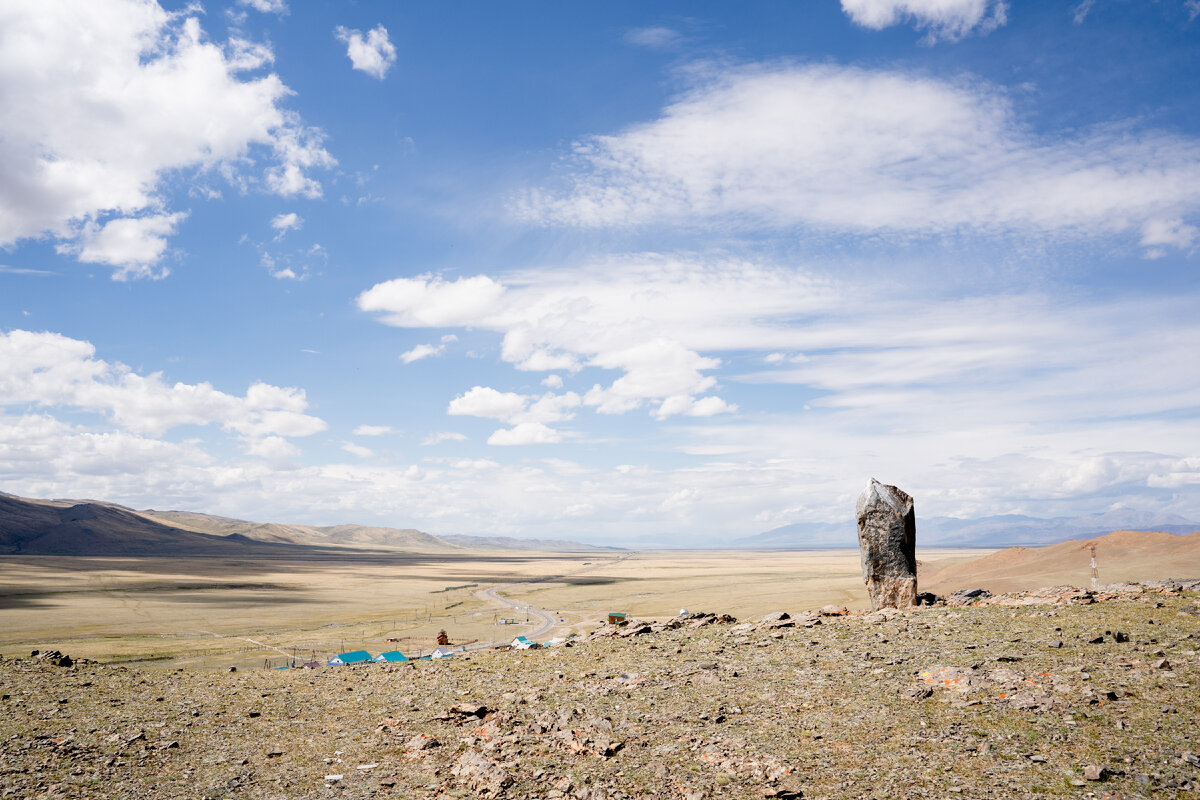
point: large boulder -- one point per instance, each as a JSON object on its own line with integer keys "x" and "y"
{"x": 887, "y": 542}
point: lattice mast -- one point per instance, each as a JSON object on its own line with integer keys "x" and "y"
{"x": 1095, "y": 574}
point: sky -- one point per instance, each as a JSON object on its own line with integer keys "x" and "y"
{"x": 628, "y": 273}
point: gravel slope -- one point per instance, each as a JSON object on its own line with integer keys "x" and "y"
{"x": 1000, "y": 700}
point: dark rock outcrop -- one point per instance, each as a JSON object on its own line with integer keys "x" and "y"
{"x": 887, "y": 542}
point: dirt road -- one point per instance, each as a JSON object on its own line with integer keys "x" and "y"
{"x": 545, "y": 617}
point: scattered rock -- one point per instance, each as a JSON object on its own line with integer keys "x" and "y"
{"x": 481, "y": 774}
{"x": 1094, "y": 773}
{"x": 422, "y": 741}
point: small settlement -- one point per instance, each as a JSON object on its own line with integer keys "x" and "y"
{"x": 360, "y": 657}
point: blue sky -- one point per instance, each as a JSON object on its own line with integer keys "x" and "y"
{"x": 622, "y": 272}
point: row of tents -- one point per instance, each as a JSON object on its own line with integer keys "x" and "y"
{"x": 395, "y": 656}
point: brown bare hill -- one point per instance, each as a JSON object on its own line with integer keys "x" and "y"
{"x": 30, "y": 527}
{"x": 356, "y": 536}
{"x": 1120, "y": 556}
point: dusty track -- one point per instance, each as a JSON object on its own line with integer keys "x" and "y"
{"x": 490, "y": 595}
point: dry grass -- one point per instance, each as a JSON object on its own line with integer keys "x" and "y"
{"x": 742, "y": 583}
{"x": 179, "y": 608}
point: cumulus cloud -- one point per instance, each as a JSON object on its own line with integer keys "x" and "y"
{"x": 49, "y": 370}
{"x": 132, "y": 245}
{"x": 373, "y": 54}
{"x": 426, "y": 302}
{"x": 85, "y": 154}
{"x": 530, "y": 413}
{"x": 427, "y": 350}
{"x": 525, "y": 433}
{"x": 944, "y": 19}
{"x": 647, "y": 317}
{"x": 484, "y": 401}
{"x": 282, "y": 223}
{"x": 847, "y": 150}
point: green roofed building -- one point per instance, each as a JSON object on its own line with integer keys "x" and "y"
{"x": 354, "y": 657}
{"x": 390, "y": 656}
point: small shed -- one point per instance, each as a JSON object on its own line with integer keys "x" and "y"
{"x": 391, "y": 656}
{"x": 312, "y": 665}
{"x": 442, "y": 652}
{"x": 521, "y": 643}
{"x": 616, "y": 617}
{"x": 353, "y": 657}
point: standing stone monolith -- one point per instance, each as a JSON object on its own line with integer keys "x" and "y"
{"x": 887, "y": 542}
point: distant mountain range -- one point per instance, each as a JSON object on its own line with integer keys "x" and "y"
{"x": 995, "y": 531}
{"x": 512, "y": 543}
{"x": 97, "y": 528}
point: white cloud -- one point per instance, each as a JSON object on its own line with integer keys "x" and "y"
{"x": 655, "y": 38}
{"x": 1158, "y": 234}
{"x": 132, "y": 245}
{"x": 691, "y": 407}
{"x": 528, "y": 412}
{"x": 282, "y": 223}
{"x": 425, "y": 302}
{"x": 50, "y": 370}
{"x": 357, "y": 450}
{"x": 525, "y": 433}
{"x": 944, "y": 19}
{"x": 272, "y": 448}
{"x": 442, "y": 436}
{"x": 427, "y": 350}
{"x": 87, "y": 153}
{"x": 1193, "y": 9}
{"x": 552, "y": 382}
{"x": 267, "y": 6}
{"x": 484, "y": 401}
{"x": 373, "y": 54}
{"x": 373, "y": 430}
{"x": 244, "y": 55}
{"x": 846, "y": 150}
{"x": 421, "y": 351}
{"x": 648, "y": 317}
{"x": 1080, "y": 12}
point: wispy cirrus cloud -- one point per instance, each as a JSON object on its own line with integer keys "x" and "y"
{"x": 845, "y": 150}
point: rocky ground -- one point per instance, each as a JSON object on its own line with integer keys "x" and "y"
{"x": 1057, "y": 693}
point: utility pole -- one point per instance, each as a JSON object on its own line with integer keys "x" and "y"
{"x": 1095, "y": 575}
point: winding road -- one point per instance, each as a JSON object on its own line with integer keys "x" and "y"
{"x": 547, "y": 619}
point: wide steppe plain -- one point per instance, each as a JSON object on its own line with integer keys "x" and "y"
{"x": 218, "y": 612}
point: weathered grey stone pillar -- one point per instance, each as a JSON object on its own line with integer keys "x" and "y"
{"x": 887, "y": 542}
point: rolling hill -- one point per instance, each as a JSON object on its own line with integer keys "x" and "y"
{"x": 91, "y": 527}
{"x": 1120, "y": 556}
{"x": 30, "y": 527}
